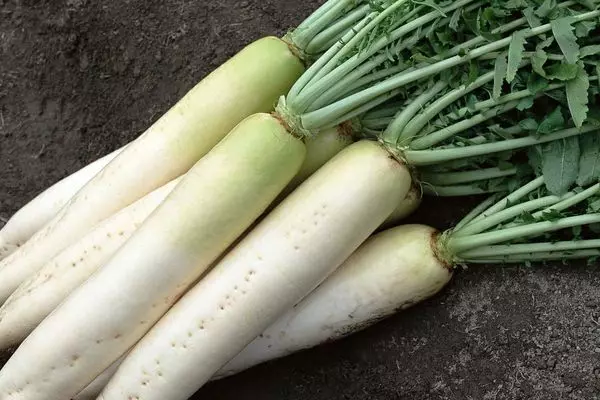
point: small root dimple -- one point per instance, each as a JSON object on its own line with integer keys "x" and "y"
{"x": 118, "y": 336}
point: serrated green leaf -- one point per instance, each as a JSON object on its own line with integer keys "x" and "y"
{"x": 552, "y": 215}
{"x": 455, "y": 19}
{"x": 536, "y": 83}
{"x": 562, "y": 29}
{"x": 525, "y": 104}
{"x": 584, "y": 28}
{"x": 515, "y": 4}
{"x": 545, "y": 43}
{"x": 527, "y": 217}
{"x": 500, "y": 69}
{"x": 560, "y": 164}
{"x": 532, "y": 19}
{"x": 534, "y": 155}
{"x": 594, "y": 207}
{"x": 538, "y": 60}
{"x": 431, "y": 4}
{"x": 589, "y": 51}
{"x": 577, "y": 230}
{"x": 546, "y": 8}
{"x": 553, "y": 122}
{"x": 562, "y": 72}
{"x": 529, "y": 124}
{"x": 578, "y": 97}
{"x": 589, "y": 163}
{"x": 516, "y": 51}
{"x": 473, "y": 72}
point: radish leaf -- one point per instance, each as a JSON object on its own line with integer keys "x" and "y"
{"x": 560, "y": 164}
{"x": 562, "y": 29}
{"x": 500, "y": 69}
{"x": 589, "y": 164}
{"x": 516, "y": 52}
{"x": 552, "y": 123}
{"x": 562, "y": 72}
{"x": 577, "y": 96}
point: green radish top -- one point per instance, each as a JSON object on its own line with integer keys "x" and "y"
{"x": 447, "y": 84}
{"x": 530, "y": 224}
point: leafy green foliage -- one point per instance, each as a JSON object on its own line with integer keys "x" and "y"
{"x": 516, "y": 52}
{"x": 589, "y": 164}
{"x": 560, "y": 164}
{"x": 563, "y": 32}
{"x": 577, "y": 96}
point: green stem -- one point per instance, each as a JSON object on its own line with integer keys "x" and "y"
{"x": 454, "y": 178}
{"x": 321, "y": 61}
{"x": 303, "y": 102}
{"x": 354, "y": 43}
{"x": 446, "y": 133}
{"x": 460, "y": 190}
{"x": 362, "y": 83}
{"x": 549, "y": 256}
{"x": 336, "y": 91}
{"x": 419, "y": 122}
{"x": 318, "y": 13}
{"x": 334, "y": 111}
{"x": 462, "y": 244}
{"x": 507, "y": 201}
{"x": 435, "y": 156}
{"x": 508, "y": 214}
{"x": 320, "y": 42}
{"x": 392, "y": 133}
{"x": 342, "y": 48}
{"x": 301, "y": 37}
{"x": 571, "y": 201}
{"x": 356, "y": 113}
{"x": 487, "y": 104}
{"x": 474, "y": 213}
{"x": 531, "y": 248}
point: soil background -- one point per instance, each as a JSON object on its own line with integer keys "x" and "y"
{"x": 80, "y": 78}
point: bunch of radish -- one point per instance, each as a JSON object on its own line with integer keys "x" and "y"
{"x": 255, "y": 238}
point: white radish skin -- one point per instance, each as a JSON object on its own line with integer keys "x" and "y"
{"x": 43, "y": 292}
{"x": 211, "y": 206}
{"x": 390, "y": 272}
{"x": 250, "y": 82}
{"x": 284, "y": 258}
{"x": 35, "y": 214}
{"x": 406, "y": 208}
{"x": 92, "y": 390}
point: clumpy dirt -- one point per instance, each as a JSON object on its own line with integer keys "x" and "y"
{"x": 79, "y": 78}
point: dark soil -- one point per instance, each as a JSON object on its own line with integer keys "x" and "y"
{"x": 79, "y": 78}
